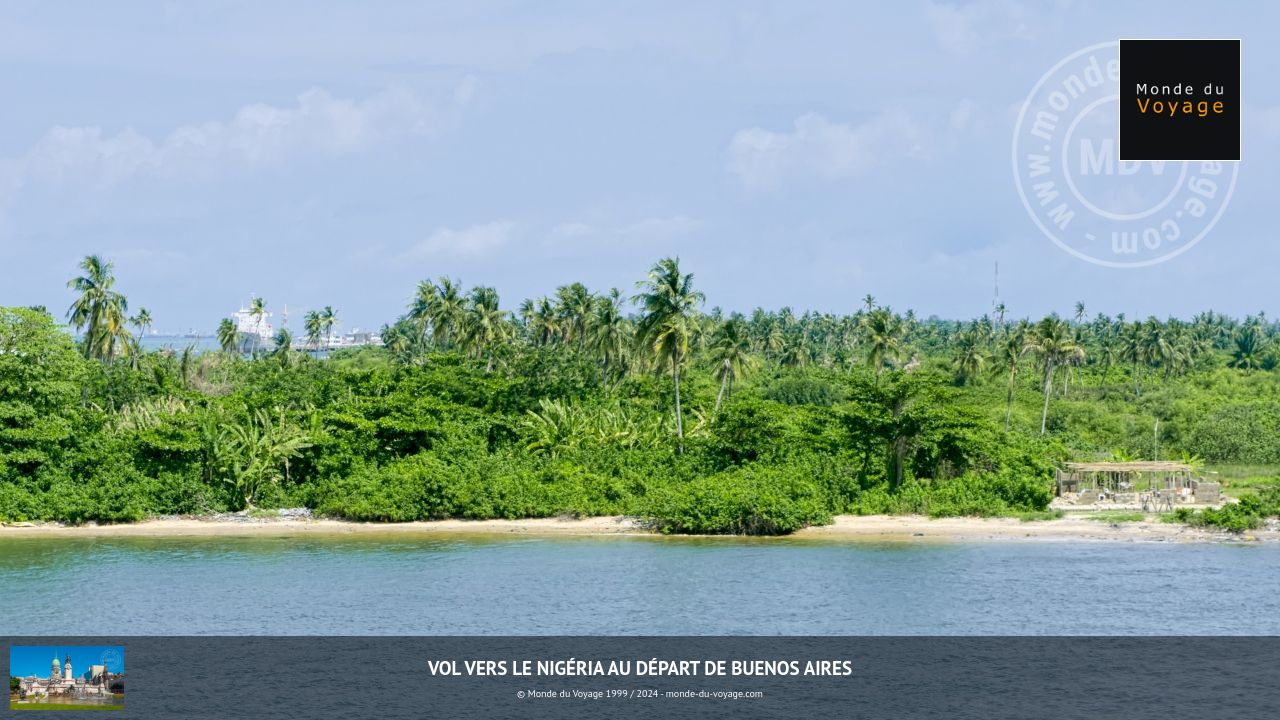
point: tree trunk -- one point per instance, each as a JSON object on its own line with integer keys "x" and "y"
{"x": 724, "y": 382}
{"x": 897, "y": 448}
{"x": 1008, "y": 412}
{"x": 675, "y": 374}
{"x": 1048, "y": 390}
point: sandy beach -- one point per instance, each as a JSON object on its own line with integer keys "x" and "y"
{"x": 909, "y": 528}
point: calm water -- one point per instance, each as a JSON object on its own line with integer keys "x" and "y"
{"x": 631, "y": 586}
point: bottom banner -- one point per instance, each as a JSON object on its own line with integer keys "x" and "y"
{"x": 635, "y": 677}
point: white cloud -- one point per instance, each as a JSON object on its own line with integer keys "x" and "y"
{"x": 257, "y": 135}
{"x": 476, "y": 241}
{"x": 817, "y": 147}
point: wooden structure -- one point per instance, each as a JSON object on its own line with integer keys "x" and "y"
{"x": 1159, "y": 483}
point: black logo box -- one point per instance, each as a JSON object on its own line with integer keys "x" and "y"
{"x": 1186, "y": 67}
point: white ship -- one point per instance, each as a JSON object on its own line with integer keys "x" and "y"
{"x": 254, "y": 328}
{"x": 339, "y": 341}
{"x": 256, "y": 332}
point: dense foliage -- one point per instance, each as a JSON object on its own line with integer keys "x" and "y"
{"x": 698, "y": 421}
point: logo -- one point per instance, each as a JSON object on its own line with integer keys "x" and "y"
{"x": 1180, "y": 100}
{"x": 1082, "y": 196}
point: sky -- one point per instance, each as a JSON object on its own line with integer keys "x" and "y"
{"x": 791, "y": 154}
{"x": 38, "y": 660}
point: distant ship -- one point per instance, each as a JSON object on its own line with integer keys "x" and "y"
{"x": 253, "y": 327}
{"x": 257, "y": 331}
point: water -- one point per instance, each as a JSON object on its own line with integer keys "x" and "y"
{"x": 178, "y": 344}
{"x": 631, "y": 585}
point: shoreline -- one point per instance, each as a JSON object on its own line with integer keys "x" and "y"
{"x": 851, "y": 528}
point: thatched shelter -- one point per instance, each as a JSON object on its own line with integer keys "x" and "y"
{"x": 1172, "y": 481}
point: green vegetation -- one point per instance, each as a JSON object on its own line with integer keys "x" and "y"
{"x": 588, "y": 403}
{"x": 1248, "y": 514}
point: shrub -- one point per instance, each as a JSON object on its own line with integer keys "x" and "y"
{"x": 805, "y": 391}
{"x": 743, "y": 501}
{"x": 415, "y": 488}
{"x": 1248, "y": 514}
{"x": 977, "y": 494}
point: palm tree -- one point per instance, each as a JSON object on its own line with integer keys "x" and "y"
{"x": 142, "y": 321}
{"x": 1011, "y": 350}
{"x": 883, "y": 333}
{"x": 1052, "y": 341}
{"x": 774, "y": 343}
{"x": 448, "y": 313}
{"x": 258, "y": 311}
{"x": 668, "y": 304}
{"x": 574, "y": 304}
{"x": 422, "y": 309}
{"x": 283, "y": 350}
{"x": 541, "y": 322}
{"x": 730, "y": 353}
{"x": 228, "y": 336}
{"x": 1134, "y": 349}
{"x": 313, "y": 325}
{"x": 100, "y": 311}
{"x": 1251, "y": 348}
{"x": 396, "y": 340}
{"x": 970, "y": 360}
{"x": 1108, "y": 350}
{"x": 608, "y": 330}
{"x": 484, "y": 324}
{"x": 185, "y": 363}
{"x": 794, "y": 353}
{"x": 328, "y": 318}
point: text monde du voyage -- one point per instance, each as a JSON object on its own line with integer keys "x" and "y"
{"x": 653, "y": 667}
{"x": 1180, "y": 99}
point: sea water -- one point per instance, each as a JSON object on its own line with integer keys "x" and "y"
{"x": 501, "y": 585}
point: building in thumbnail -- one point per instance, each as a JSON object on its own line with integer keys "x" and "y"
{"x": 97, "y": 681}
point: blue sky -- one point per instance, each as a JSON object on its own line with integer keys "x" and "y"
{"x": 800, "y": 154}
{"x": 38, "y": 660}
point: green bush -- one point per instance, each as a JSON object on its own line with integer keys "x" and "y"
{"x": 1248, "y": 514}
{"x": 415, "y": 488}
{"x": 978, "y": 494}
{"x": 427, "y": 487}
{"x": 742, "y": 501}
{"x": 805, "y": 391}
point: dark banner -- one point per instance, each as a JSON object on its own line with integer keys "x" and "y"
{"x": 679, "y": 677}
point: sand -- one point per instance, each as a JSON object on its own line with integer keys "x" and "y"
{"x": 873, "y": 528}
